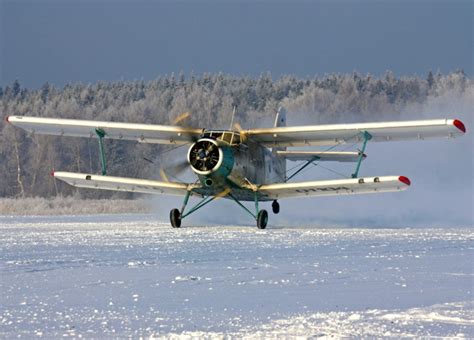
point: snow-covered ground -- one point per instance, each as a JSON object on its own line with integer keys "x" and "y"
{"x": 128, "y": 275}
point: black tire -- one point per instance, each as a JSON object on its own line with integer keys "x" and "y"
{"x": 275, "y": 207}
{"x": 262, "y": 219}
{"x": 175, "y": 218}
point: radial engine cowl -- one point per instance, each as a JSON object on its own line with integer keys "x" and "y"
{"x": 205, "y": 156}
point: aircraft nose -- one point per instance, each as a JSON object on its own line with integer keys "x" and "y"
{"x": 202, "y": 154}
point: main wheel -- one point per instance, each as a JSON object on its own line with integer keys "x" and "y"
{"x": 262, "y": 219}
{"x": 175, "y": 218}
{"x": 275, "y": 207}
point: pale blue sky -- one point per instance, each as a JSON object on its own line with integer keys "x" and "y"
{"x": 71, "y": 40}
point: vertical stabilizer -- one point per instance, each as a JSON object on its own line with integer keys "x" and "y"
{"x": 280, "y": 118}
{"x": 280, "y": 162}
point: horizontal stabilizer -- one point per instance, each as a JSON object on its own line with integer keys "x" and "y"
{"x": 320, "y": 156}
{"x": 144, "y": 133}
{"x": 122, "y": 183}
{"x": 350, "y": 186}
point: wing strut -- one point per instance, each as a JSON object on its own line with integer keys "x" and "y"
{"x": 101, "y": 134}
{"x": 367, "y": 136}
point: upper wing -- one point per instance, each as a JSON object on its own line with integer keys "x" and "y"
{"x": 335, "y": 187}
{"x": 123, "y": 184}
{"x": 333, "y": 156}
{"x": 344, "y": 133}
{"x": 144, "y": 133}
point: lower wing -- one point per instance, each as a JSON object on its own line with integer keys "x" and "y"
{"x": 351, "y": 186}
{"x": 123, "y": 183}
{"x": 272, "y": 191}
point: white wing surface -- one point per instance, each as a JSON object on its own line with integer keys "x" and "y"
{"x": 354, "y": 186}
{"x": 349, "y": 133}
{"x": 332, "y": 156}
{"x": 123, "y": 184}
{"x": 144, "y": 133}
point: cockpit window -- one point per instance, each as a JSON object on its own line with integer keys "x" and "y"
{"x": 228, "y": 137}
{"x": 236, "y": 139}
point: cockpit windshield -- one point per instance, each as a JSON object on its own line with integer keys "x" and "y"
{"x": 228, "y": 137}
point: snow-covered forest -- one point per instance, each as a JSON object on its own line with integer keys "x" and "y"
{"x": 28, "y": 160}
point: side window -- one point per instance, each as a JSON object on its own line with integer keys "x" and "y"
{"x": 236, "y": 139}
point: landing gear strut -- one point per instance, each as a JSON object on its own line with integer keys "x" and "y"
{"x": 275, "y": 207}
{"x": 261, "y": 216}
{"x": 176, "y": 216}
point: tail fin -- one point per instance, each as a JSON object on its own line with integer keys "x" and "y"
{"x": 280, "y": 118}
{"x": 280, "y": 162}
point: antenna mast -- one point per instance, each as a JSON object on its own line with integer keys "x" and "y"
{"x": 232, "y": 120}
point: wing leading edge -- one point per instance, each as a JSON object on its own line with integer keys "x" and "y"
{"x": 343, "y": 133}
{"x": 351, "y": 186}
{"x": 144, "y": 133}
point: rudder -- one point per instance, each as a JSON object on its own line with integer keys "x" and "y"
{"x": 280, "y": 162}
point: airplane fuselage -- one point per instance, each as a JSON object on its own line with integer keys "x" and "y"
{"x": 222, "y": 158}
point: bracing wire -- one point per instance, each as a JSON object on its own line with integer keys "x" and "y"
{"x": 329, "y": 169}
{"x": 326, "y": 150}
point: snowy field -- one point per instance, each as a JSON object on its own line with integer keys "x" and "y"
{"x": 128, "y": 275}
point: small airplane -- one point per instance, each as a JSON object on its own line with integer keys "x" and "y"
{"x": 244, "y": 165}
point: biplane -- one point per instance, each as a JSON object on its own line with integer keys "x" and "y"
{"x": 244, "y": 164}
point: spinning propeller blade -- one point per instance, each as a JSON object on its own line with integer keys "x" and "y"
{"x": 224, "y": 193}
{"x": 175, "y": 170}
{"x": 181, "y": 117}
{"x": 163, "y": 175}
{"x": 183, "y": 120}
{"x": 239, "y": 128}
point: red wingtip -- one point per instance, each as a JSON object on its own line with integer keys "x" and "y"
{"x": 404, "y": 179}
{"x": 52, "y": 173}
{"x": 460, "y": 125}
{"x": 7, "y": 119}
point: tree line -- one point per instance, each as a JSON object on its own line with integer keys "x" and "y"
{"x": 26, "y": 161}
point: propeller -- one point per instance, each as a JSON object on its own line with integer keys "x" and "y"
{"x": 177, "y": 169}
{"x": 181, "y": 118}
{"x": 239, "y": 128}
{"x": 174, "y": 169}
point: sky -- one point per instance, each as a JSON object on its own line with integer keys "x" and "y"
{"x": 86, "y": 41}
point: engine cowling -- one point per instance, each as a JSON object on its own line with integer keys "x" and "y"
{"x": 208, "y": 157}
